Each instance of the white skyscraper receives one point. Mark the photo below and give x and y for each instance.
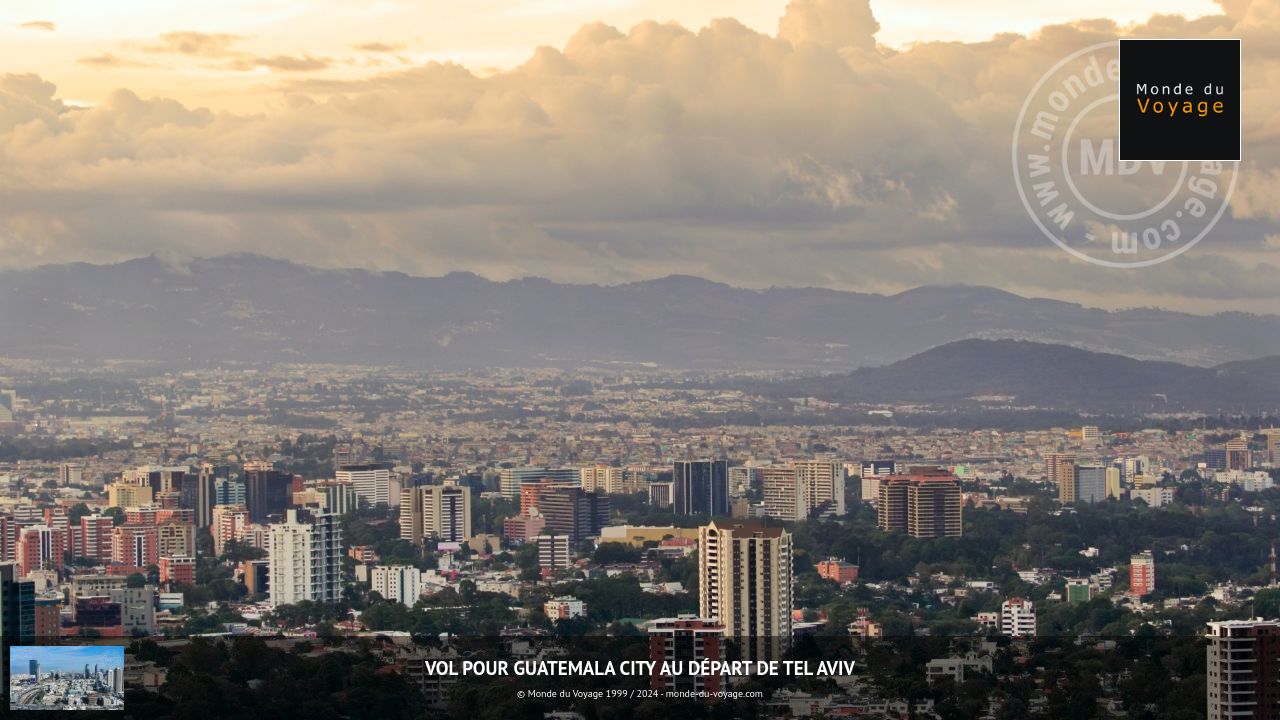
(305, 559)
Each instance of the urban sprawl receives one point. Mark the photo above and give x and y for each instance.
(301, 507)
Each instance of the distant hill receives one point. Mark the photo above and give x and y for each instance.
(976, 372)
(247, 307)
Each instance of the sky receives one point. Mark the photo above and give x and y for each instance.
(65, 658)
(837, 143)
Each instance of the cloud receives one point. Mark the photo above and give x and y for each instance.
(108, 60)
(379, 47)
(188, 42)
(832, 23)
(809, 157)
(283, 63)
(44, 25)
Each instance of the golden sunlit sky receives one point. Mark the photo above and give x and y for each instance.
(95, 46)
(836, 143)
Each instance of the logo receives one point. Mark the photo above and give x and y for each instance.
(1082, 196)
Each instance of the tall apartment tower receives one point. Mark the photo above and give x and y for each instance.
(1142, 574)
(1242, 672)
(1060, 472)
(785, 495)
(305, 559)
(442, 512)
(926, 504)
(745, 576)
(701, 487)
(96, 537)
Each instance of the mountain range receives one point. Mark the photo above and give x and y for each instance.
(253, 308)
(993, 373)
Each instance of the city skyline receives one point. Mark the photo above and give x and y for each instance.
(65, 658)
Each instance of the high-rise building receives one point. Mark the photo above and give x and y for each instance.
(1091, 483)
(160, 478)
(34, 667)
(826, 483)
(573, 512)
(331, 496)
(136, 546)
(229, 492)
(701, 487)
(175, 539)
(511, 480)
(40, 546)
(1142, 574)
(70, 474)
(684, 639)
(1273, 445)
(1242, 672)
(662, 494)
(267, 491)
(1060, 472)
(230, 522)
(371, 482)
(601, 478)
(1238, 454)
(17, 605)
(802, 490)
(123, 494)
(785, 494)
(1113, 476)
(1018, 617)
(398, 583)
(305, 558)
(925, 504)
(554, 553)
(744, 584)
(95, 537)
(206, 496)
(441, 511)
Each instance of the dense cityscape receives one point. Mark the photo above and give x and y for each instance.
(48, 682)
(299, 509)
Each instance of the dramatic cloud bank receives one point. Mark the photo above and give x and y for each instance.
(812, 157)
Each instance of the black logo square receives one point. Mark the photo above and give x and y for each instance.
(1179, 99)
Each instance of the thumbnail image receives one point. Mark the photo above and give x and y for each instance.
(66, 678)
